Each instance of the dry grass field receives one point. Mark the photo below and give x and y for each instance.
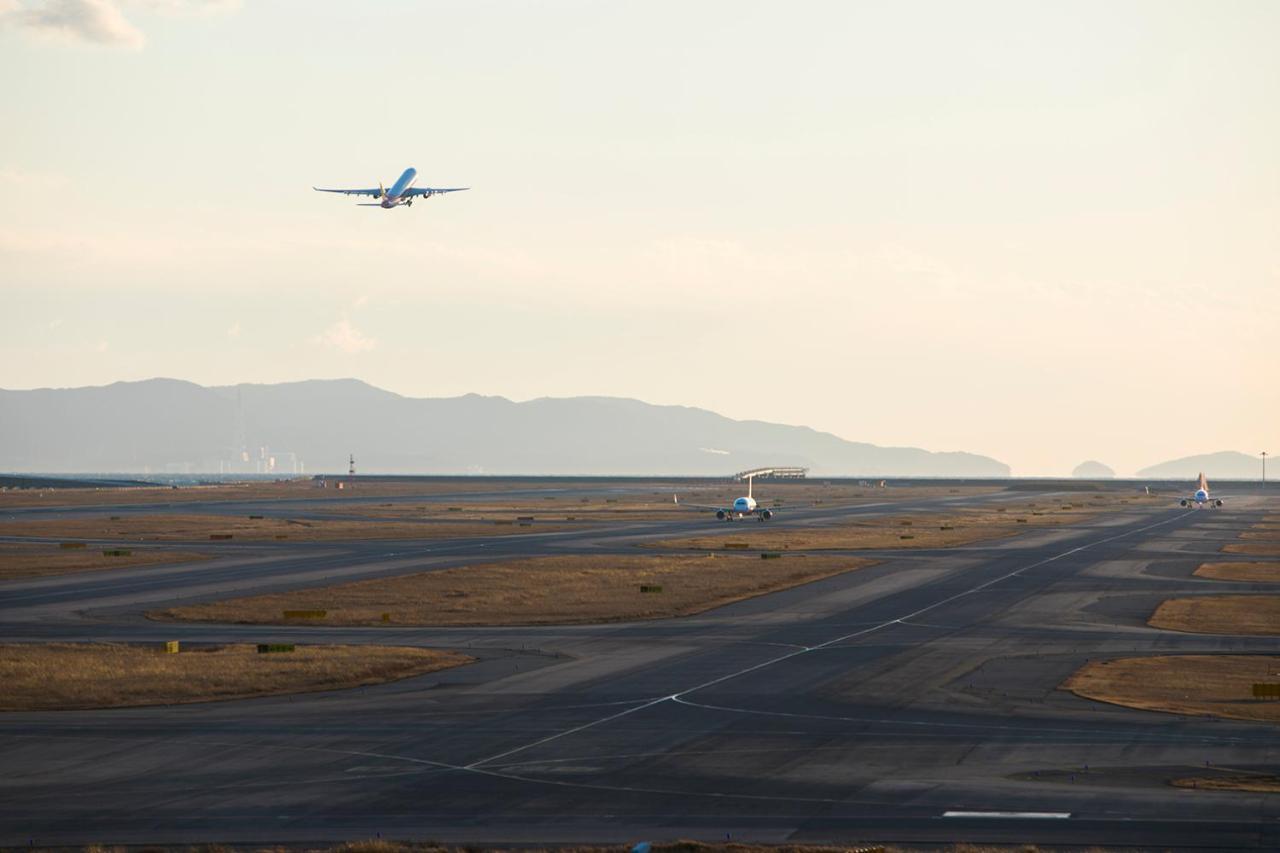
(303, 488)
(1261, 783)
(29, 561)
(1253, 549)
(1247, 572)
(62, 676)
(1220, 614)
(1201, 685)
(845, 537)
(908, 531)
(188, 528)
(624, 508)
(654, 504)
(1259, 540)
(535, 591)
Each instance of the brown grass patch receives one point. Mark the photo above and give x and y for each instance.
(1262, 783)
(922, 531)
(558, 510)
(536, 591)
(295, 489)
(1200, 685)
(62, 676)
(29, 561)
(1220, 614)
(1268, 535)
(305, 488)
(655, 505)
(186, 528)
(1247, 572)
(1253, 549)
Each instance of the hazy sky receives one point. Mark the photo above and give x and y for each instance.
(1044, 232)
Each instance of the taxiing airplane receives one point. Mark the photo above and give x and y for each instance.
(743, 507)
(402, 191)
(1201, 497)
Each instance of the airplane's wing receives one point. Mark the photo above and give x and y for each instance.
(373, 193)
(417, 191)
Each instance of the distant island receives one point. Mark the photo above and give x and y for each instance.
(1224, 465)
(171, 426)
(1092, 470)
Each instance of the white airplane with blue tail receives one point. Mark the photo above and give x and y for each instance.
(401, 192)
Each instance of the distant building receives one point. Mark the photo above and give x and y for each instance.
(778, 473)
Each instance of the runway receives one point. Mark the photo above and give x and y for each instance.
(915, 701)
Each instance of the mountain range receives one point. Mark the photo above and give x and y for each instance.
(161, 425)
(1226, 465)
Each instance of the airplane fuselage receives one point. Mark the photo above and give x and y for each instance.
(395, 195)
(1201, 496)
(742, 508)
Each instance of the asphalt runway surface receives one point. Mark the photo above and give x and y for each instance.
(914, 701)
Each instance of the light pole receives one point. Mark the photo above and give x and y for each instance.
(1264, 469)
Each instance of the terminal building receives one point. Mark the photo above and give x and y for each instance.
(779, 473)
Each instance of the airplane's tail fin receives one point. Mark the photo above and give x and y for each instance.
(1204, 483)
(749, 479)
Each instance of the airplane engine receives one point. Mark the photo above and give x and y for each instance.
(766, 514)
(720, 514)
(1183, 502)
(1217, 503)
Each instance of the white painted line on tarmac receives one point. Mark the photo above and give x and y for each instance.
(1020, 815)
(678, 697)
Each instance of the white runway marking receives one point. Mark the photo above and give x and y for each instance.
(678, 696)
(1032, 815)
(475, 767)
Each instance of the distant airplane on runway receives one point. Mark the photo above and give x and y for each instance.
(741, 508)
(1201, 497)
(402, 191)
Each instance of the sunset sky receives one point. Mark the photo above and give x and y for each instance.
(1045, 232)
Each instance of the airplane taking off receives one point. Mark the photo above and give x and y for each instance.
(741, 508)
(1201, 497)
(402, 191)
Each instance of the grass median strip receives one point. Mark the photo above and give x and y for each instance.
(1220, 614)
(41, 560)
(1246, 572)
(535, 591)
(183, 528)
(914, 531)
(1201, 685)
(1260, 783)
(66, 676)
(1253, 549)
